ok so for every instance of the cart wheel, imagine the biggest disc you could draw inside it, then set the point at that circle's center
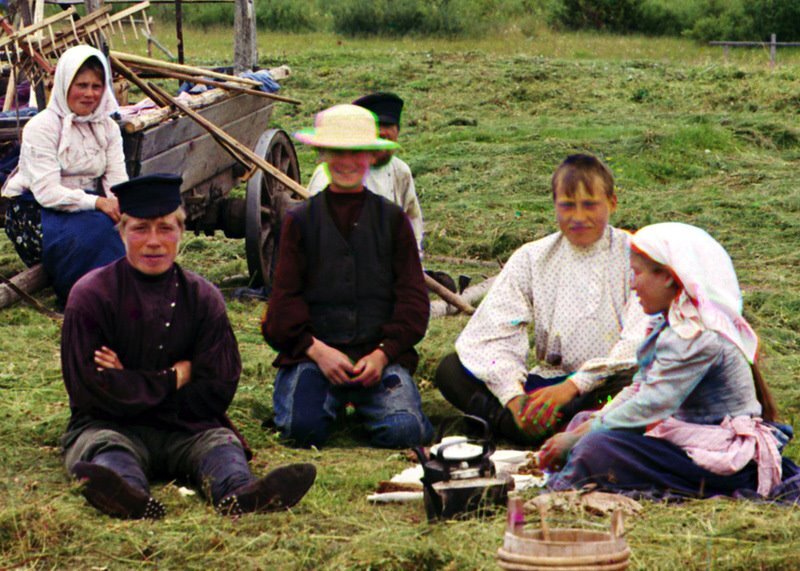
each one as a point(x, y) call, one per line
point(267, 201)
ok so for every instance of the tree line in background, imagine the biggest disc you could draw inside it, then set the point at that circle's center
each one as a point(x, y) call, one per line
point(702, 20)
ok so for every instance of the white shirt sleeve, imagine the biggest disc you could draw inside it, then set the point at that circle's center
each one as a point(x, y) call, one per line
point(319, 180)
point(39, 165)
point(622, 356)
point(410, 205)
point(494, 345)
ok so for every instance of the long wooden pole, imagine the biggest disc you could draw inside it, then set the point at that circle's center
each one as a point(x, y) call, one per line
point(220, 84)
point(452, 298)
point(135, 79)
point(134, 59)
point(165, 102)
point(221, 135)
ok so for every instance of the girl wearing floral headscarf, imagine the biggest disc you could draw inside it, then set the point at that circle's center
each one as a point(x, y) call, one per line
point(62, 211)
point(698, 418)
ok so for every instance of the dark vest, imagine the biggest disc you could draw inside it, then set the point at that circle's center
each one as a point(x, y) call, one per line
point(349, 289)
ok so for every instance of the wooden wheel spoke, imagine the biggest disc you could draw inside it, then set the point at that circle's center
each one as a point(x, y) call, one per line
point(265, 238)
point(269, 199)
point(276, 157)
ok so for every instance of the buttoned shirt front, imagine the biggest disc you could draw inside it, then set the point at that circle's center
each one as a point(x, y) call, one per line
point(586, 320)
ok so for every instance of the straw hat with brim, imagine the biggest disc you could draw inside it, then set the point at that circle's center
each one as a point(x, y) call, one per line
point(347, 127)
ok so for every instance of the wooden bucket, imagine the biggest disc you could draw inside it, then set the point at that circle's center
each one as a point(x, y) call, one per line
point(565, 549)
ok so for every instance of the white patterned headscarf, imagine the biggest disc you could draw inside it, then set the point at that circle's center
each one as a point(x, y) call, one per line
point(710, 297)
point(68, 65)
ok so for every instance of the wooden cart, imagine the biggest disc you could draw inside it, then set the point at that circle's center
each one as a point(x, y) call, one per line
point(182, 146)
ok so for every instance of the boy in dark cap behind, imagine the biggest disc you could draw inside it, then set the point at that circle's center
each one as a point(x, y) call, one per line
point(151, 364)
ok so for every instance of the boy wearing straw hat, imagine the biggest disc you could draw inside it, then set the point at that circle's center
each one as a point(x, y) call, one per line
point(388, 176)
point(349, 300)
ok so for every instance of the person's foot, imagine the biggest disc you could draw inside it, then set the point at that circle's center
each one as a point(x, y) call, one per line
point(279, 490)
point(109, 493)
point(443, 278)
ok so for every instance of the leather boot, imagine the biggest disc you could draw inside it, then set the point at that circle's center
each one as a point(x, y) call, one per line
point(279, 490)
point(106, 490)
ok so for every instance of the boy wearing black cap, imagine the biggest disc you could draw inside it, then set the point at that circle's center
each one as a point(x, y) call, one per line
point(388, 176)
point(151, 364)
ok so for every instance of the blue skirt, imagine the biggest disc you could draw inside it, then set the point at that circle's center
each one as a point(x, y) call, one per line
point(74, 243)
point(637, 465)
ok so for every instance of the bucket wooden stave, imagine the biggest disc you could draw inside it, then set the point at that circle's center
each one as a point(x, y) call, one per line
point(565, 550)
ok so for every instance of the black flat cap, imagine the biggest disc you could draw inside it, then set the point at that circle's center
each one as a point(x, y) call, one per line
point(149, 196)
point(387, 106)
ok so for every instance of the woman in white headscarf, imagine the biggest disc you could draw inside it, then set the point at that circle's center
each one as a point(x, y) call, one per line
point(698, 418)
point(62, 211)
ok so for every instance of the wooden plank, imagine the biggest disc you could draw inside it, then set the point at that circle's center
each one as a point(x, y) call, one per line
point(172, 133)
point(202, 157)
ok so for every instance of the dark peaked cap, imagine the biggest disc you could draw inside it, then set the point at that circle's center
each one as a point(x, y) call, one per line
point(149, 196)
point(387, 106)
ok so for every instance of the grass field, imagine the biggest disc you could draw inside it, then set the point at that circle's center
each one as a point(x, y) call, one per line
point(690, 138)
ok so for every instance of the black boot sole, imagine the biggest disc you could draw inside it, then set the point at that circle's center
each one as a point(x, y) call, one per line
point(279, 490)
point(109, 493)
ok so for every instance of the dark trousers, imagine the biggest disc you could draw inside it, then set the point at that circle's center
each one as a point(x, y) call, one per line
point(213, 460)
point(471, 396)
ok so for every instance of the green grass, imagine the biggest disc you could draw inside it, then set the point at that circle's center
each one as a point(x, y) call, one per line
point(690, 138)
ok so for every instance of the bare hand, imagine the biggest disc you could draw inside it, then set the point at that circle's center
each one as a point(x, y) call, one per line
point(109, 206)
point(533, 420)
point(369, 368)
point(554, 452)
point(105, 358)
point(183, 372)
point(334, 364)
point(558, 394)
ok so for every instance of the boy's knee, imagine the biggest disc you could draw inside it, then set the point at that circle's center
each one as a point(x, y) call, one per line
point(402, 430)
point(449, 368)
point(306, 431)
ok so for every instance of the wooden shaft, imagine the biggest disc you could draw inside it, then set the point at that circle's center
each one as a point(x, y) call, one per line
point(135, 79)
point(28, 49)
point(43, 24)
point(220, 84)
point(134, 59)
point(447, 295)
point(296, 187)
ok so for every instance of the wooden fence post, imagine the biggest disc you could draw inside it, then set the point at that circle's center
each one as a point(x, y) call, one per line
point(245, 56)
point(179, 28)
point(772, 50)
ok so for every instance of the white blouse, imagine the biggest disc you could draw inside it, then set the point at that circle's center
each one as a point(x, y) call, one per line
point(94, 150)
point(585, 317)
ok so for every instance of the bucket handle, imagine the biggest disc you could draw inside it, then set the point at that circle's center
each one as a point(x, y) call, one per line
point(617, 524)
point(543, 521)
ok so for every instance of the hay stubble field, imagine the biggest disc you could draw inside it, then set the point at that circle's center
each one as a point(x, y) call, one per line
point(690, 138)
